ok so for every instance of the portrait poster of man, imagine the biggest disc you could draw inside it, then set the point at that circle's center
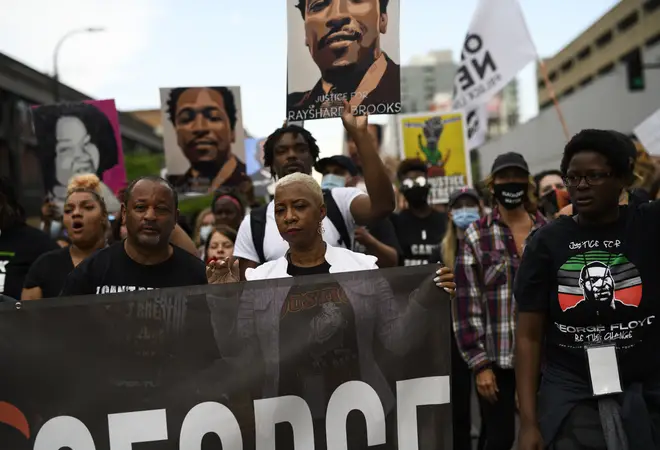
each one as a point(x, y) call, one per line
point(440, 139)
point(80, 138)
point(254, 160)
point(342, 50)
point(203, 137)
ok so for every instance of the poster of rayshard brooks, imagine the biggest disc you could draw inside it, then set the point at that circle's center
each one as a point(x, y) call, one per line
point(342, 51)
point(338, 361)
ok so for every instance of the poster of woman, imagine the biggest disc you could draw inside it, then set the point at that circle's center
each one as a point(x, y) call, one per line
point(80, 138)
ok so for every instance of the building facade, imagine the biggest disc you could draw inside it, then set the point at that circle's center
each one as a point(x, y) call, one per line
point(630, 25)
point(22, 87)
point(606, 103)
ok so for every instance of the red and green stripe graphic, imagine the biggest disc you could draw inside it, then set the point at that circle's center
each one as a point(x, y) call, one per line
point(608, 269)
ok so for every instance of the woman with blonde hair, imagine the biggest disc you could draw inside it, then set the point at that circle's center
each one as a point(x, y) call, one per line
point(363, 310)
point(85, 218)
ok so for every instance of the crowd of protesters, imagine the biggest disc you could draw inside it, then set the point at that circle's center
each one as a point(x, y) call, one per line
point(544, 266)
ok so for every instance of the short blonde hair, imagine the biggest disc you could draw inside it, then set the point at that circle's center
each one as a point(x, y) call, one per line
point(304, 179)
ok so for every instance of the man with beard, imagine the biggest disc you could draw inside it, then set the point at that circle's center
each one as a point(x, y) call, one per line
point(419, 228)
point(293, 149)
point(205, 120)
point(344, 41)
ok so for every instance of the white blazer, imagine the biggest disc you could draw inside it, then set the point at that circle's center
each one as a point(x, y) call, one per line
point(340, 260)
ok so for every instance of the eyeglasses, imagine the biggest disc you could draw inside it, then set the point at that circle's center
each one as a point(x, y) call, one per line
point(593, 179)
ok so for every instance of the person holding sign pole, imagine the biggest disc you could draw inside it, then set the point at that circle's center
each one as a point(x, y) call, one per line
point(586, 293)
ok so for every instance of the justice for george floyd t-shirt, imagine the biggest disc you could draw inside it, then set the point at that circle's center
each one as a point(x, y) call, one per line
point(49, 272)
point(20, 246)
point(596, 285)
point(419, 237)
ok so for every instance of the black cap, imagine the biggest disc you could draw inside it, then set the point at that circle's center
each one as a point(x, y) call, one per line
point(462, 192)
point(339, 160)
point(508, 160)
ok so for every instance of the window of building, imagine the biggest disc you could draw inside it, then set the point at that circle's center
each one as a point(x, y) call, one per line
point(651, 5)
point(604, 39)
point(628, 22)
point(567, 92)
point(541, 84)
point(512, 120)
point(552, 76)
point(545, 104)
point(585, 81)
point(606, 69)
point(584, 53)
point(567, 66)
point(653, 40)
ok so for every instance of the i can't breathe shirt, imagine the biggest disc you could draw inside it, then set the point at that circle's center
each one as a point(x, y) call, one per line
point(596, 285)
point(154, 329)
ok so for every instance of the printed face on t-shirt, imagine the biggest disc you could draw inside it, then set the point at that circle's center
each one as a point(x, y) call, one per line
point(298, 213)
point(150, 213)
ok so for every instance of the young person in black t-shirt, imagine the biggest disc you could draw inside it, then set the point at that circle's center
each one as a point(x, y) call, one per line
point(586, 292)
point(419, 228)
point(20, 244)
point(146, 259)
point(85, 218)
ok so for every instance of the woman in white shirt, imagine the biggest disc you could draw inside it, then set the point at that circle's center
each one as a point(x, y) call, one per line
point(313, 337)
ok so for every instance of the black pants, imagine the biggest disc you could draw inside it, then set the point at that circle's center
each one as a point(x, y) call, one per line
point(461, 390)
point(499, 418)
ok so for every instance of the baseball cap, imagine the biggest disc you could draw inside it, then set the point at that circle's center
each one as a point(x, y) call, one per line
point(464, 191)
point(508, 160)
point(339, 160)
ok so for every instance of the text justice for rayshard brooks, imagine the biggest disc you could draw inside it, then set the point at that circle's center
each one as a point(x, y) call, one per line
point(329, 112)
point(128, 428)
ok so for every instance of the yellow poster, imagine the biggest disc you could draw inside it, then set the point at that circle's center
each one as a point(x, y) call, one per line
point(440, 140)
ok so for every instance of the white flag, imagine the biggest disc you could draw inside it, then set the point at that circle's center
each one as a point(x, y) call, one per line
point(476, 122)
point(497, 47)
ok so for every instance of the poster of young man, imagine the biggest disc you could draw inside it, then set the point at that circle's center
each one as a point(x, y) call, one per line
point(203, 137)
point(340, 51)
point(441, 140)
point(80, 138)
point(254, 159)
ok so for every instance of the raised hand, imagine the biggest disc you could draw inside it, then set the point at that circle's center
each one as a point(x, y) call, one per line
point(352, 123)
point(223, 271)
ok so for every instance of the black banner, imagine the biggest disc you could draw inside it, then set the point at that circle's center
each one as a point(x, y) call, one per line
point(342, 361)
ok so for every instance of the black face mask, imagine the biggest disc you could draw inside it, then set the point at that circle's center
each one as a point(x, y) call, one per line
point(417, 196)
point(510, 195)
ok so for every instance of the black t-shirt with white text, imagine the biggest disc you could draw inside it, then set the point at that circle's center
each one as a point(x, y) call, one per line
point(419, 236)
point(20, 246)
point(596, 285)
point(49, 272)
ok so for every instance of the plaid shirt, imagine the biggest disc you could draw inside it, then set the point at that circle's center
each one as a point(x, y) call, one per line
point(483, 310)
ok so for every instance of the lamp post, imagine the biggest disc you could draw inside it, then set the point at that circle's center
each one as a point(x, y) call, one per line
point(56, 53)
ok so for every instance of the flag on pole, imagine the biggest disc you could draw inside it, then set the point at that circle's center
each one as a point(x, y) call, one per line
point(497, 46)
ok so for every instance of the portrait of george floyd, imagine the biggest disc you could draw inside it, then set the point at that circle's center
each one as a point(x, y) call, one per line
point(342, 50)
point(203, 137)
point(80, 138)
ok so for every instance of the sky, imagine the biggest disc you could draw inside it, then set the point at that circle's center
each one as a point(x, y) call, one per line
point(148, 44)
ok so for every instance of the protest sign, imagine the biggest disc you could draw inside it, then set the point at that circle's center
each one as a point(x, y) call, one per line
point(349, 53)
point(80, 138)
point(440, 140)
point(203, 137)
point(327, 361)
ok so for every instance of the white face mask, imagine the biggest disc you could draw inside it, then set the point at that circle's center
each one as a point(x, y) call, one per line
point(205, 232)
point(331, 180)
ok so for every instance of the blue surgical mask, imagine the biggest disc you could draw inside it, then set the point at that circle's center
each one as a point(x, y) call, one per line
point(331, 180)
point(205, 232)
point(463, 217)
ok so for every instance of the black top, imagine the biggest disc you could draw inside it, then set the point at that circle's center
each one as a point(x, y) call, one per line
point(383, 231)
point(318, 340)
point(419, 237)
point(49, 272)
point(111, 271)
point(20, 246)
point(596, 285)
